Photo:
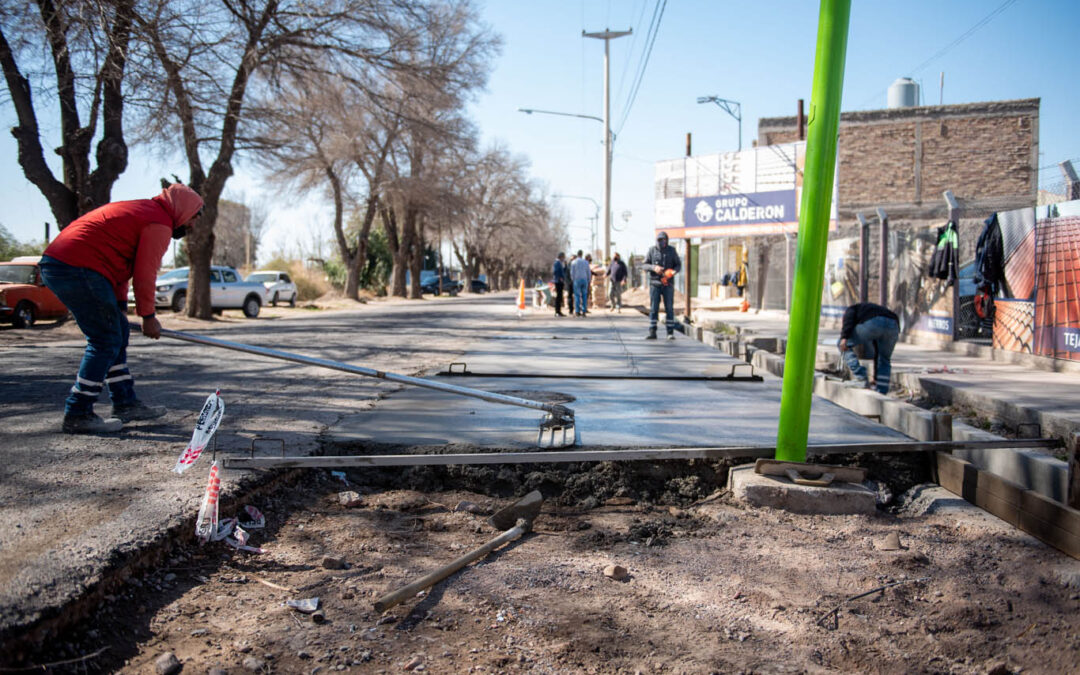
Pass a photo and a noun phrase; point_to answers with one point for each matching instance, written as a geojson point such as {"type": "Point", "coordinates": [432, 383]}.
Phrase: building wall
{"type": "Point", "coordinates": [902, 159]}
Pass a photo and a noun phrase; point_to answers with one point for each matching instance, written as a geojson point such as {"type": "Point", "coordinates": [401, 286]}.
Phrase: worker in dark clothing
{"type": "Point", "coordinates": [875, 328]}
{"type": "Point", "coordinates": [663, 264]}
{"type": "Point", "coordinates": [558, 277]}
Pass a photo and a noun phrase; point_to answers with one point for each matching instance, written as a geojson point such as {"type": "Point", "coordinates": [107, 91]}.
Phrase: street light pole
{"type": "Point", "coordinates": [595, 218]}
{"type": "Point", "coordinates": [733, 108]}
{"type": "Point", "coordinates": [607, 36]}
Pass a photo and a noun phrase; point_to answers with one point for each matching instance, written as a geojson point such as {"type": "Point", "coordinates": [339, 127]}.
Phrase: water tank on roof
{"type": "Point", "coordinates": [904, 93]}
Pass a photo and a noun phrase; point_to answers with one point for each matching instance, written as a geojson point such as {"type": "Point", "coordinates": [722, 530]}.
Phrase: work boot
{"type": "Point", "coordinates": [857, 383]}
{"type": "Point", "coordinates": [651, 335]}
{"type": "Point", "coordinates": [90, 424]}
{"type": "Point", "coordinates": [671, 336]}
{"type": "Point", "coordinates": [132, 412]}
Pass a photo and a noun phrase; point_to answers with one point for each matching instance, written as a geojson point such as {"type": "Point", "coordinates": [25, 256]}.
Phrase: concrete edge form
{"type": "Point", "coordinates": [1051, 522]}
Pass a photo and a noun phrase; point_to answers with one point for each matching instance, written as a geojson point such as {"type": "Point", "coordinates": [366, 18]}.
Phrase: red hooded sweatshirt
{"type": "Point", "coordinates": [126, 240]}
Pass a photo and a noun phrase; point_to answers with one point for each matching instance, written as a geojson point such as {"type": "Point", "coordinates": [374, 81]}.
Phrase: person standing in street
{"type": "Point", "coordinates": [558, 277]}
{"type": "Point", "coordinates": [617, 274]}
{"type": "Point", "coordinates": [88, 267]}
{"type": "Point", "coordinates": [581, 273]}
{"type": "Point", "coordinates": [663, 264]}
{"type": "Point", "coordinates": [569, 283]}
{"type": "Point", "coordinates": [876, 329]}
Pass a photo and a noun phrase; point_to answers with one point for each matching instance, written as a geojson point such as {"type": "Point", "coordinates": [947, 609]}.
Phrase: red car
{"type": "Point", "coordinates": [23, 297]}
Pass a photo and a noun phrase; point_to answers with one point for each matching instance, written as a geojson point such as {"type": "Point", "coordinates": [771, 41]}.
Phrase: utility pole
{"type": "Point", "coordinates": [607, 36]}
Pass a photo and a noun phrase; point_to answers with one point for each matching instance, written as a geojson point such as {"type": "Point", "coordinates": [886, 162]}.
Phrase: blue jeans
{"type": "Point", "coordinates": [103, 320]}
{"type": "Point", "coordinates": [657, 291]}
{"type": "Point", "coordinates": [581, 291]}
{"type": "Point", "coordinates": [879, 335]}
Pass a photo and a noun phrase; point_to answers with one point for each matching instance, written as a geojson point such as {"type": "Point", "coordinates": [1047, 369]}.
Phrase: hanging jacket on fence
{"type": "Point", "coordinates": [944, 263]}
{"type": "Point", "coordinates": [989, 257]}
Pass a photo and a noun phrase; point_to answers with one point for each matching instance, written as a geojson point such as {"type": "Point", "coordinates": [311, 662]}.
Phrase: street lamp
{"type": "Point", "coordinates": [595, 218]}
{"type": "Point", "coordinates": [733, 108]}
{"type": "Point", "coordinates": [607, 35]}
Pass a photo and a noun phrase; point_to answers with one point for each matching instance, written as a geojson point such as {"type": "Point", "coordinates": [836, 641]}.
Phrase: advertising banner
{"type": "Point", "coordinates": [740, 209]}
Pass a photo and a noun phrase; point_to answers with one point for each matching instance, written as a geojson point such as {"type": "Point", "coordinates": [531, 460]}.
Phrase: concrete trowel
{"type": "Point", "coordinates": [516, 519]}
{"type": "Point", "coordinates": [557, 428]}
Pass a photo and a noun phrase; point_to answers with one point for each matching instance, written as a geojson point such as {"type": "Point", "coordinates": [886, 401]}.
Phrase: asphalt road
{"type": "Point", "coordinates": [75, 508]}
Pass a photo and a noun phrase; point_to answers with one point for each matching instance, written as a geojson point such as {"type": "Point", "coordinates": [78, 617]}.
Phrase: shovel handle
{"type": "Point", "coordinates": [394, 597]}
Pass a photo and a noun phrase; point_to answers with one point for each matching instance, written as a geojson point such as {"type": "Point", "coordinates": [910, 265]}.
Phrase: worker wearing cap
{"type": "Point", "coordinates": [88, 267]}
{"type": "Point", "coordinates": [663, 264]}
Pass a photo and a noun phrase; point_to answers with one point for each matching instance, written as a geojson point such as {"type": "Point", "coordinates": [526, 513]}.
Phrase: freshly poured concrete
{"type": "Point", "coordinates": [609, 412]}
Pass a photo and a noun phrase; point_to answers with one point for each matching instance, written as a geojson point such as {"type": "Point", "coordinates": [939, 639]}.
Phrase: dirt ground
{"type": "Point", "coordinates": [712, 587]}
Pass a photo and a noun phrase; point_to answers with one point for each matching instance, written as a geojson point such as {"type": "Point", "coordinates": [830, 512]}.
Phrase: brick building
{"type": "Point", "coordinates": [902, 159]}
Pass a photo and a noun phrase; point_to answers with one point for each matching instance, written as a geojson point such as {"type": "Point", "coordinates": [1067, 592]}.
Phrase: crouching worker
{"type": "Point", "coordinates": [876, 329]}
{"type": "Point", "coordinates": [88, 266]}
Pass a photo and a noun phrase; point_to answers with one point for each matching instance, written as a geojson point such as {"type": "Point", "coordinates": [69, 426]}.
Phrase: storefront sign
{"type": "Point", "coordinates": [753, 208]}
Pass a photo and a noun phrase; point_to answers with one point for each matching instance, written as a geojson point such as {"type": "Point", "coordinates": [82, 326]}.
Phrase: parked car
{"type": "Point", "coordinates": [479, 285]}
{"type": "Point", "coordinates": [23, 296]}
{"type": "Point", "coordinates": [279, 287]}
{"type": "Point", "coordinates": [449, 286]}
{"type": "Point", "coordinates": [227, 291]}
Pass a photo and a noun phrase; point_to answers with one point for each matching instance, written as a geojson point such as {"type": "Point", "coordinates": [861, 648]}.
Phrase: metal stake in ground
{"type": "Point", "coordinates": [516, 519]}
{"type": "Point", "coordinates": [557, 428]}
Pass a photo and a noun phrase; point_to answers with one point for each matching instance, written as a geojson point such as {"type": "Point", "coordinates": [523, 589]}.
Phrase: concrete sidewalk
{"type": "Point", "coordinates": [1016, 394]}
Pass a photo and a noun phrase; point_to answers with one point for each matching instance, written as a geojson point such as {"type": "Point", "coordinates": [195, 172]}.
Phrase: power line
{"type": "Point", "coordinates": [647, 54]}
{"type": "Point", "coordinates": [947, 48]}
{"type": "Point", "coordinates": [633, 43]}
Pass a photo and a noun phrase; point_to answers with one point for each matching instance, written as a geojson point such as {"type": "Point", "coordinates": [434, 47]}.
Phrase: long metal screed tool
{"type": "Point", "coordinates": [557, 428]}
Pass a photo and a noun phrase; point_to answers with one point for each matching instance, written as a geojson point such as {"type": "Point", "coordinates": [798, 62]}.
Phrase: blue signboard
{"type": "Point", "coordinates": [943, 325]}
{"type": "Point", "coordinates": [744, 208]}
{"type": "Point", "coordinates": [1068, 339]}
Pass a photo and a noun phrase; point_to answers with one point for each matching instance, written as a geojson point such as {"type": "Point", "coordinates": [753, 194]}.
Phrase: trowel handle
{"type": "Point", "coordinates": [394, 597]}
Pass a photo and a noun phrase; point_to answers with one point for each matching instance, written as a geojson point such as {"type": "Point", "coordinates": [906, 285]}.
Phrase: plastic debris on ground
{"type": "Point", "coordinates": [205, 426]}
{"type": "Point", "coordinates": [306, 606]}
{"type": "Point", "coordinates": [206, 525]}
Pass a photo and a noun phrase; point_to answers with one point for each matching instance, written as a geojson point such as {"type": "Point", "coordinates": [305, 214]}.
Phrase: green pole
{"type": "Point", "coordinates": [824, 121]}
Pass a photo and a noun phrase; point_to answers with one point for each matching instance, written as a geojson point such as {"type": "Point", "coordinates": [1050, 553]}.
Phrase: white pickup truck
{"type": "Point", "coordinates": [227, 291]}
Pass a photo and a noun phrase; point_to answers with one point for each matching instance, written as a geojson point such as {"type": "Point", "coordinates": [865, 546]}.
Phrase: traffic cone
{"type": "Point", "coordinates": [521, 297]}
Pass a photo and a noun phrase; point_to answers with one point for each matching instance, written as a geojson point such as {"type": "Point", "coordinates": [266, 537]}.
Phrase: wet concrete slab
{"type": "Point", "coordinates": [609, 412]}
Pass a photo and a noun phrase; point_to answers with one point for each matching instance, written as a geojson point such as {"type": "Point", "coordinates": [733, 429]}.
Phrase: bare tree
{"type": "Point", "coordinates": [88, 45]}
{"type": "Point", "coordinates": [213, 55]}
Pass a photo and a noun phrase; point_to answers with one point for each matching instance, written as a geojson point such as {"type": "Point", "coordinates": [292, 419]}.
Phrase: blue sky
{"type": "Point", "coordinates": [758, 53]}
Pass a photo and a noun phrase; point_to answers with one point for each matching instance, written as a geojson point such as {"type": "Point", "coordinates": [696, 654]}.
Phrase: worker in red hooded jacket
{"type": "Point", "coordinates": [88, 266]}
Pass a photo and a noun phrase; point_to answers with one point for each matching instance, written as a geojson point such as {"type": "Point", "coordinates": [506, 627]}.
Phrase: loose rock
{"type": "Point", "coordinates": [167, 664]}
{"type": "Point", "coordinates": [412, 665]}
{"type": "Point", "coordinates": [333, 562]}
{"type": "Point", "coordinates": [254, 664]}
{"type": "Point", "coordinates": [350, 499]}
{"type": "Point", "coordinates": [890, 542]}
{"type": "Point", "coordinates": [616, 572]}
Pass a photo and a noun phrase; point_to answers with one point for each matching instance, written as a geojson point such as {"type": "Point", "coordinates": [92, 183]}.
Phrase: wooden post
{"type": "Point", "coordinates": [864, 258]}
{"type": "Point", "coordinates": [688, 268]}
{"type": "Point", "coordinates": [883, 273]}
{"type": "Point", "coordinates": [1072, 498]}
{"type": "Point", "coordinates": [954, 216]}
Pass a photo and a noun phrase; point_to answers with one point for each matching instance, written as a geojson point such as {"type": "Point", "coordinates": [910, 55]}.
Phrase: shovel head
{"type": "Point", "coordinates": [526, 509]}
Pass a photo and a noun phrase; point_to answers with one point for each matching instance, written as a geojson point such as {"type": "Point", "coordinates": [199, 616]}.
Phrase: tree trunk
{"type": "Point", "coordinates": [397, 274]}
{"type": "Point", "coordinates": [415, 250]}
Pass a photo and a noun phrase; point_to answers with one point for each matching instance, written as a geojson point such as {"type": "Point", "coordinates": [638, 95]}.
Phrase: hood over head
{"type": "Point", "coordinates": [181, 202]}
